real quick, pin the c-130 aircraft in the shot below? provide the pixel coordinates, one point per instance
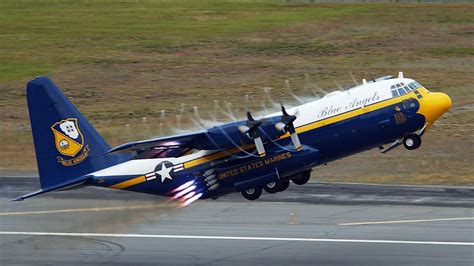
(245, 156)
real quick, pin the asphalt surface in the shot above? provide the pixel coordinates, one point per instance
(316, 224)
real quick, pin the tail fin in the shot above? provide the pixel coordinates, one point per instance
(66, 145)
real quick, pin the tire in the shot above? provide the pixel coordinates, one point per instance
(252, 193)
(412, 141)
(283, 185)
(272, 187)
(301, 178)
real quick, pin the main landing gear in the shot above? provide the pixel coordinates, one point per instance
(301, 178)
(272, 187)
(277, 186)
(412, 141)
(252, 193)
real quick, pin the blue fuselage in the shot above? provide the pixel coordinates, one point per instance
(237, 171)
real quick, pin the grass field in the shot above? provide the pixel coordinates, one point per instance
(123, 61)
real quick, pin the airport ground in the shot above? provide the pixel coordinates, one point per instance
(317, 224)
(124, 62)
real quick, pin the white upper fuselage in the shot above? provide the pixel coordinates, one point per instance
(338, 102)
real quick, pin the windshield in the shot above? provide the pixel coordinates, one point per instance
(402, 89)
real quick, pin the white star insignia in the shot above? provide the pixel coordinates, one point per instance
(165, 173)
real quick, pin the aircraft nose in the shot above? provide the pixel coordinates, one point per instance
(434, 105)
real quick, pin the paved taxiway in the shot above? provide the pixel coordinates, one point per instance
(425, 226)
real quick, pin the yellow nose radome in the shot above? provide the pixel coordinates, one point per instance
(433, 105)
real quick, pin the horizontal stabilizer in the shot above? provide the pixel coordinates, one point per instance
(70, 183)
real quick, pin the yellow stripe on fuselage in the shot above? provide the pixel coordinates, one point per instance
(217, 155)
(311, 126)
(301, 129)
(354, 113)
(130, 182)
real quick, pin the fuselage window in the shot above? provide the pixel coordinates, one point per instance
(401, 91)
(406, 89)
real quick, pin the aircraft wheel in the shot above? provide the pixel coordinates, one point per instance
(301, 178)
(272, 187)
(283, 185)
(252, 193)
(412, 141)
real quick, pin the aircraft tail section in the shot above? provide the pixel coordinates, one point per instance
(67, 146)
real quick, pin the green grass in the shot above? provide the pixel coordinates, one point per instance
(39, 37)
(288, 48)
(459, 51)
(120, 61)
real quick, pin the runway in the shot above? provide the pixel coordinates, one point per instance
(433, 226)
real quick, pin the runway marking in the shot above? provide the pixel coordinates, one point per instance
(84, 210)
(247, 238)
(410, 221)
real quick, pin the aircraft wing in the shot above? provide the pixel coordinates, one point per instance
(163, 143)
(219, 137)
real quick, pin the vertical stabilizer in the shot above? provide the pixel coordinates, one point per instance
(66, 144)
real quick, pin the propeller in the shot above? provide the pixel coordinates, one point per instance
(286, 125)
(250, 128)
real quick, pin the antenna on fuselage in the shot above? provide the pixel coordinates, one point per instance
(400, 75)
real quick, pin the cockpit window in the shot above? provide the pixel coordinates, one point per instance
(394, 93)
(402, 89)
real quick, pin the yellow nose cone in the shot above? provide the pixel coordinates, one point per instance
(433, 105)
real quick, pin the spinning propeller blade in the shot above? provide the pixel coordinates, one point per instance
(251, 129)
(286, 125)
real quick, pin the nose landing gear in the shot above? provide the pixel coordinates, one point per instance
(412, 141)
